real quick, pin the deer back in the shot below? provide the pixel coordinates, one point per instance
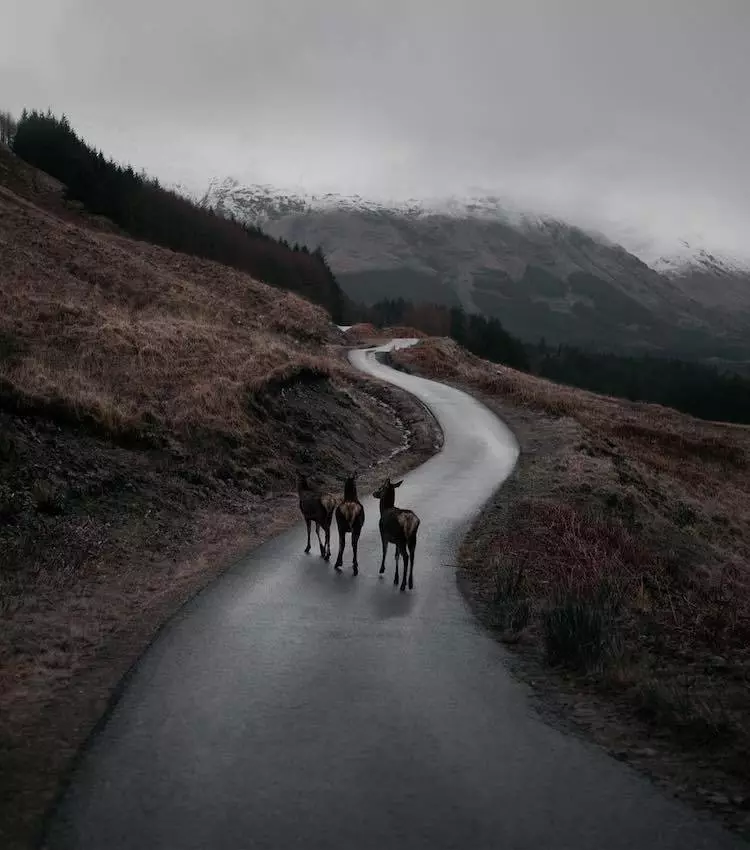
(399, 524)
(350, 515)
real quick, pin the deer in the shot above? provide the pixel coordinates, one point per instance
(318, 508)
(350, 517)
(398, 526)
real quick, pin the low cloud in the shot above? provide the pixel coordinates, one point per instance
(633, 117)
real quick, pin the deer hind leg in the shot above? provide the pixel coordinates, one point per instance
(308, 534)
(327, 555)
(398, 552)
(355, 541)
(321, 543)
(342, 544)
(405, 556)
(412, 547)
(385, 550)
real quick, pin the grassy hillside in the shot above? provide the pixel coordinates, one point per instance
(145, 210)
(154, 411)
(618, 557)
(136, 341)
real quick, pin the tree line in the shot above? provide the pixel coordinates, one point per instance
(148, 211)
(8, 127)
(695, 388)
(485, 337)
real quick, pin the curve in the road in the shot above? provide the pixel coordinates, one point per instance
(289, 707)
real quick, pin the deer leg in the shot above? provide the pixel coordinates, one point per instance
(405, 556)
(308, 534)
(320, 542)
(398, 552)
(327, 555)
(355, 541)
(412, 547)
(385, 549)
(342, 543)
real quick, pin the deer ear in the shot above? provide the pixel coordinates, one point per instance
(399, 483)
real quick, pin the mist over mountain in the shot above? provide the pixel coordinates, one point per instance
(542, 277)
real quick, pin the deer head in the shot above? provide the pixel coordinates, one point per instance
(387, 492)
(350, 487)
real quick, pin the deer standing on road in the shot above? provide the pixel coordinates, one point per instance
(317, 508)
(398, 526)
(350, 517)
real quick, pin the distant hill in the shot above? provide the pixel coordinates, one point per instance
(541, 277)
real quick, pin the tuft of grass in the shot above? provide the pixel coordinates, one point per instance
(512, 608)
(581, 632)
(677, 706)
(9, 506)
(47, 498)
(7, 447)
(10, 347)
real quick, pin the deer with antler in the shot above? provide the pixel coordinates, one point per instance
(350, 517)
(398, 526)
(316, 508)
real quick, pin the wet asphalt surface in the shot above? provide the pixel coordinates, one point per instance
(290, 707)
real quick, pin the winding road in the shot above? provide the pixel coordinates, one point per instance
(289, 707)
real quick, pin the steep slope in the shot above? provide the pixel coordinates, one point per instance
(540, 276)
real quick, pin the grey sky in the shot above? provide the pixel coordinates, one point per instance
(628, 114)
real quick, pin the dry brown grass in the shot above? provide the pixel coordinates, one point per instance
(133, 337)
(693, 472)
(627, 525)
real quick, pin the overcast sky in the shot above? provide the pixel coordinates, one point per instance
(632, 114)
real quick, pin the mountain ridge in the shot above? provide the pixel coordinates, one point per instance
(273, 201)
(541, 275)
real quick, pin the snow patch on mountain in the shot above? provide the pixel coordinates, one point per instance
(262, 203)
(692, 259)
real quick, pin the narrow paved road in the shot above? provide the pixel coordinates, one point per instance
(289, 707)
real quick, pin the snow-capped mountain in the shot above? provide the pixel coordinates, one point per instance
(541, 276)
(693, 258)
(261, 203)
